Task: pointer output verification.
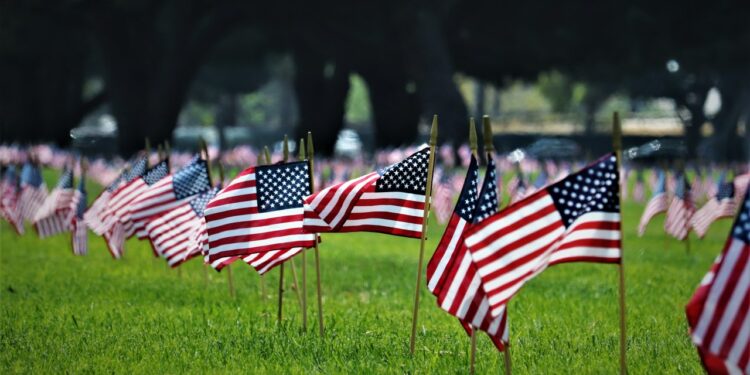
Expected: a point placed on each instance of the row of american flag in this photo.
(268, 214)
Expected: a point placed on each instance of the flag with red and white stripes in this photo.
(517, 188)
(681, 210)
(388, 201)
(168, 194)
(92, 216)
(33, 192)
(442, 198)
(79, 235)
(723, 205)
(718, 314)
(451, 275)
(639, 189)
(9, 201)
(576, 219)
(656, 205)
(52, 217)
(170, 233)
(119, 197)
(260, 210)
(267, 260)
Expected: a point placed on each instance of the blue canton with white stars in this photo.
(156, 173)
(200, 202)
(191, 179)
(726, 191)
(741, 228)
(407, 176)
(282, 186)
(467, 201)
(488, 203)
(682, 190)
(595, 188)
(137, 170)
(66, 180)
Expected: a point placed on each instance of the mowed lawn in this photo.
(62, 313)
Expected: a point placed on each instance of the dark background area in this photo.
(150, 63)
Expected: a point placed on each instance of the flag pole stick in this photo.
(617, 145)
(422, 238)
(489, 149)
(310, 158)
(301, 156)
(474, 151)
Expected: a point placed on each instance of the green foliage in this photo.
(557, 89)
(61, 313)
(358, 108)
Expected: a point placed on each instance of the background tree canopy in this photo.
(156, 64)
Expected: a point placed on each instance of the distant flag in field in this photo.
(451, 275)
(9, 201)
(718, 314)
(105, 218)
(79, 235)
(442, 199)
(92, 216)
(656, 205)
(170, 232)
(169, 193)
(139, 189)
(260, 210)
(723, 205)
(576, 219)
(697, 188)
(517, 188)
(52, 217)
(541, 179)
(741, 183)
(388, 201)
(681, 210)
(33, 191)
(639, 189)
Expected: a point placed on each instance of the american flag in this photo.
(576, 219)
(442, 199)
(680, 210)
(131, 179)
(260, 210)
(167, 194)
(656, 205)
(718, 314)
(516, 188)
(92, 216)
(451, 275)
(117, 232)
(388, 201)
(33, 191)
(79, 235)
(723, 205)
(52, 217)
(266, 261)
(9, 200)
(170, 232)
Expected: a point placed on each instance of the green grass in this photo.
(61, 313)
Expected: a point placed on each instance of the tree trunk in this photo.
(433, 70)
(395, 110)
(321, 88)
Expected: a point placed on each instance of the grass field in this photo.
(61, 313)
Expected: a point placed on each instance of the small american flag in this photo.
(639, 193)
(718, 313)
(723, 205)
(167, 194)
(170, 232)
(680, 210)
(451, 275)
(120, 196)
(656, 205)
(79, 235)
(52, 217)
(388, 201)
(92, 216)
(33, 192)
(576, 219)
(9, 200)
(260, 210)
(442, 199)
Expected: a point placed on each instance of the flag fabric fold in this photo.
(52, 217)
(723, 205)
(79, 233)
(718, 313)
(656, 205)
(9, 201)
(681, 210)
(33, 192)
(260, 210)
(388, 201)
(575, 219)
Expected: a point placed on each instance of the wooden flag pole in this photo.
(474, 151)
(423, 237)
(310, 159)
(262, 161)
(489, 149)
(301, 156)
(617, 145)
